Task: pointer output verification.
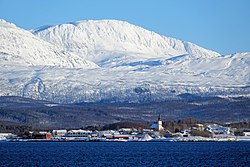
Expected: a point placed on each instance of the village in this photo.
(156, 133)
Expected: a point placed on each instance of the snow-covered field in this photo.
(115, 61)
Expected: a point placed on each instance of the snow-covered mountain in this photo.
(21, 47)
(116, 61)
(103, 40)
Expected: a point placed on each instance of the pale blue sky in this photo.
(219, 25)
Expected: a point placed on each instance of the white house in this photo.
(246, 133)
(4, 136)
(79, 133)
(217, 129)
(59, 132)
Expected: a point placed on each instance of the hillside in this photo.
(113, 61)
(18, 111)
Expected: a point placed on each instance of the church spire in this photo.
(159, 117)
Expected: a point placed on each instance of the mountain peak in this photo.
(99, 40)
(83, 22)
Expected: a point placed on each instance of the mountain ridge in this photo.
(111, 37)
(93, 61)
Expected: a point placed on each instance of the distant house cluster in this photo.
(156, 132)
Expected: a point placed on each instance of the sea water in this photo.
(124, 154)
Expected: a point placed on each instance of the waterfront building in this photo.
(4, 136)
(79, 133)
(59, 133)
(183, 133)
(108, 134)
(218, 129)
(126, 136)
(246, 133)
(96, 134)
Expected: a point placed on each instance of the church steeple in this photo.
(160, 127)
(159, 117)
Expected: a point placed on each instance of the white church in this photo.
(158, 126)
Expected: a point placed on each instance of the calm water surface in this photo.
(125, 154)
